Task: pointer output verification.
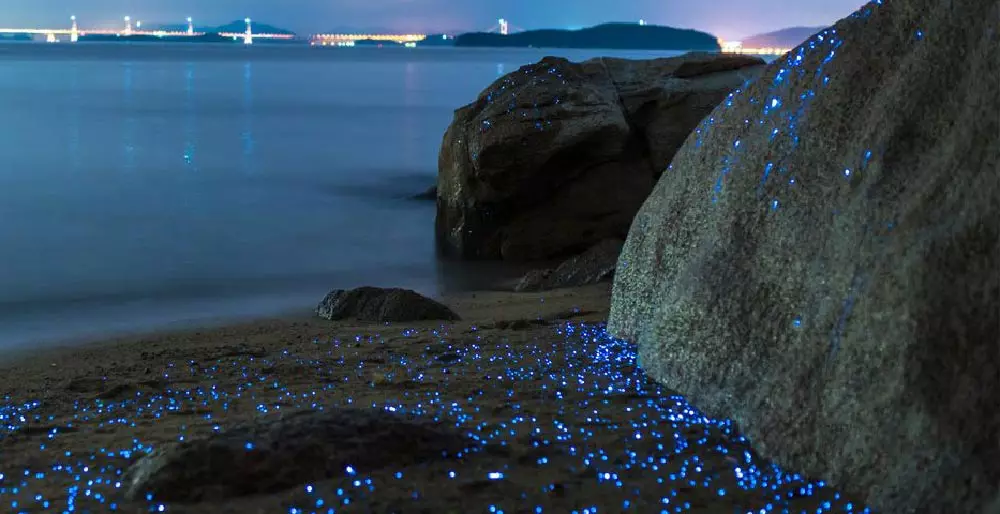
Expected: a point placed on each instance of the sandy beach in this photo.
(556, 416)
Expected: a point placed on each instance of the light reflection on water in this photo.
(146, 184)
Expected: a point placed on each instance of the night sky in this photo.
(729, 19)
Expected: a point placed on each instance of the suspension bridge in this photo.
(75, 32)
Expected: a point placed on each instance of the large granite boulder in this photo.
(556, 156)
(382, 305)
(271, 455)
(821, 262)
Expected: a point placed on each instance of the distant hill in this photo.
(784, 38)
(437, 40)
(612, 36)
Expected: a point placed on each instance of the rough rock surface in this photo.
(381, 305)
(556, 156)
(277, 454)
(595, 265)
(820, 262)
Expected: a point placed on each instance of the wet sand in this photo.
(569, 422)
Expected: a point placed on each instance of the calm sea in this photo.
(150, 186)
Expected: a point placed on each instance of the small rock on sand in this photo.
(382, 305)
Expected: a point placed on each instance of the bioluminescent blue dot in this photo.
(579, 367)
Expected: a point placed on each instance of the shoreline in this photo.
(203, 330)
(531, 377)
(83, 321)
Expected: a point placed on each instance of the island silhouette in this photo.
(612, 36)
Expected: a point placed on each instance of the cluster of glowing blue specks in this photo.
(781, 113)
(505, 92)
(13, 417)
(781, 117)
(663, 452)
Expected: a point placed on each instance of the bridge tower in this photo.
(504, 26)
(128, 25)
(248, 36)
(74, 31)
(190, 29)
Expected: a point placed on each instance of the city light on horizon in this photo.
(727, 19)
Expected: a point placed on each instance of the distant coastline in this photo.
(608, 36)
(143, 38)
(785, 38)
(612, 36)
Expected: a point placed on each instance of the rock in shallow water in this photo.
(430, 194)
(382, 305)
(820, 262)
(556, 156)
(278, 454)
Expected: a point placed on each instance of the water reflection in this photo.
(128, 125)
(500, 69)
(410, 120)
(73, 141)
(190, 119)
(247, 135)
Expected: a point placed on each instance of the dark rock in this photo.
(843, 307)
(557, 156)
(591, 267)
(381, 305)
(430, 194)
(274, 455)
(534, 280)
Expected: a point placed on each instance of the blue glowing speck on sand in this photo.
(592, 375)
